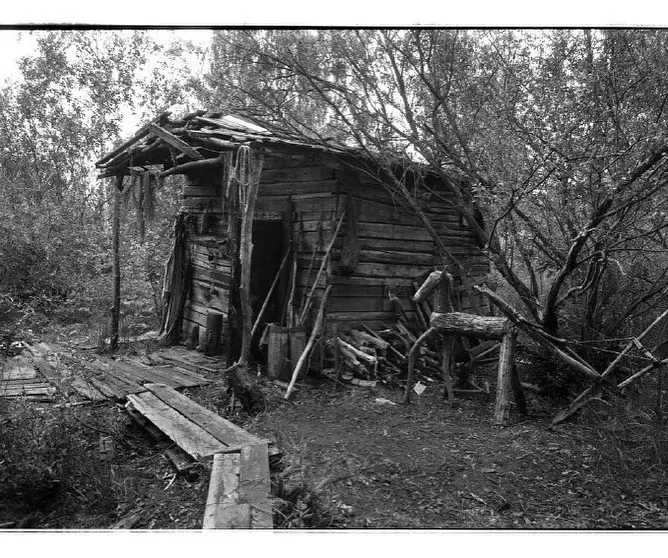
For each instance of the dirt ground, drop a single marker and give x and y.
(353, 460)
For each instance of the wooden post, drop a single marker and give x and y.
(502, 405)
(116, 263)
(518, 394)
(446, 356)
(214, 330)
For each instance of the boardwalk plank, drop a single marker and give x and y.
(254, 484)
(223, 490)
(187, 435)
(223, 430)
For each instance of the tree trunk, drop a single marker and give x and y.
(502, 404)
(116, 263)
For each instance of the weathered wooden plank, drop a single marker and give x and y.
(124, 373)
(183, 432)
(19, 391)
(114, 378)
(174, 141)
(19, 368)
(157, 374)
(254, 484)
(296, 174)
(196, 367)
(223, 430)
(234, 516)
(223, 492)
(201, 292)
(86, 388)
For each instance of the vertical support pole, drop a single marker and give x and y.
(446, 358)
(116, 262)
(506, 359)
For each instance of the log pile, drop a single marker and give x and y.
(365, 357)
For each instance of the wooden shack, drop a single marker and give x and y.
(381, 253)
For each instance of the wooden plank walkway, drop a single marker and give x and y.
(195, 429)
(239, 491)
(20, 377)
(118, 378)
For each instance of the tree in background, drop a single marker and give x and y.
(70, 105)
(559, 136)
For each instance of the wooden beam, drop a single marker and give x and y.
(172, 140)
(143, 131)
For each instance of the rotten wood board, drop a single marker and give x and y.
(187, 435)
(223, 492)
(178, 458)
(18, 368)
(254, 485)
(159, 374)
(189, 363)
(223, 430)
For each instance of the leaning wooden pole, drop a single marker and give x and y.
(309, 346)
(116, 262)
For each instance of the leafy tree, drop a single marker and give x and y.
(559, 135)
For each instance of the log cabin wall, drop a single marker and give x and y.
(394, 249)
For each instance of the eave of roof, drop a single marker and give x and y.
(201, 136)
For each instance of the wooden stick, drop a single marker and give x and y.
(143, 131)
(289, 318)
(641, 373)
(268, 297)
(361, 355)
(534, 331)
(412, 355)
(586, 396)
(311, 264)
(397, 353)
(311, 341)
(309, 298)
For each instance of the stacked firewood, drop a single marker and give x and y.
(364, 357)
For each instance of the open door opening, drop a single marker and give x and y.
(266, 259)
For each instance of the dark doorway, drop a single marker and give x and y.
(265, 262)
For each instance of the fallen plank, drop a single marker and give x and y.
(185, 378)
(254, 486)
(189, 363)
(19, 368)
(26, 390)
(218, 427)
(146, 374)
(223, 491)
(46, 370)
(107, 383)
(126, 381)
(187, 435)
(85, 388)
(179, 459)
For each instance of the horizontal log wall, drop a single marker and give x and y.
(395, 250)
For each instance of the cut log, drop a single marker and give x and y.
(459, 323)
